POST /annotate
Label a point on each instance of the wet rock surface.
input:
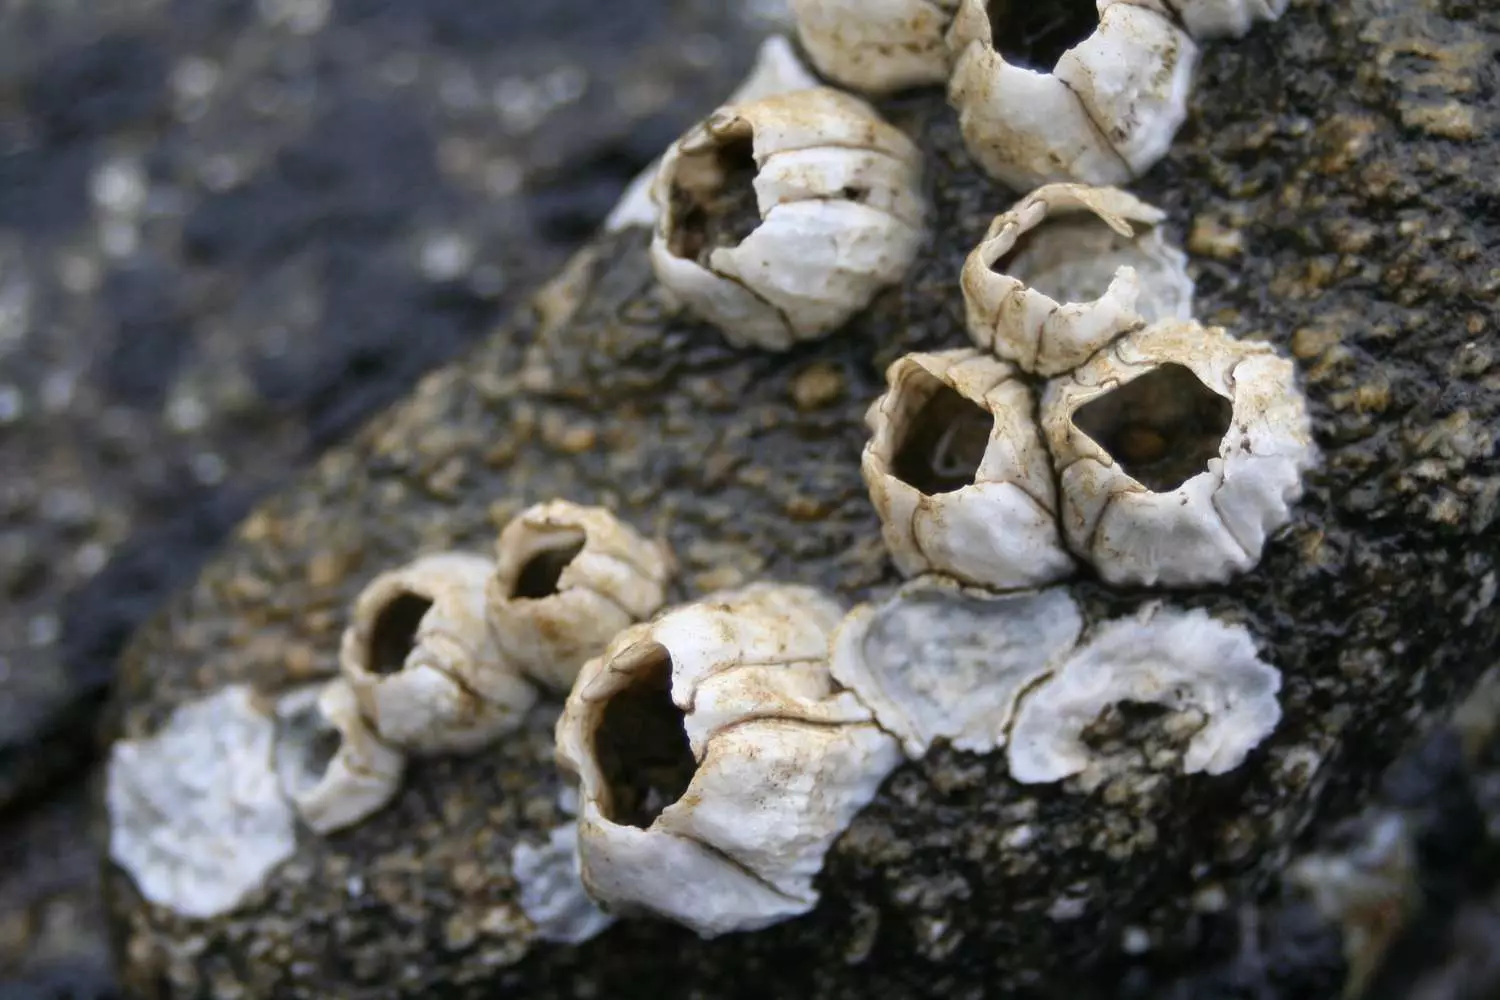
(1332, 188)
(229, 232)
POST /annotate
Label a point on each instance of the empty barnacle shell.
(196, 816)
(1179, 450)
(1182, 660)
(333, 768)
(958, 474)
(717, 762)
(422, 661)
(1208, 19)
(1066, 271)
(1101, 111)
(782, 217)
(937, 660)
(567, 578)
(877, 46)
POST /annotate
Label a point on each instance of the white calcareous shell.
(877, 46)
(1066, 271)
(958, 474)
(777, 70)
(1182, 660)
(567, 578)
(782, 217)
(1209, 19)
(1179, 479)
(1103, 114)
(939, 661)
(361, 776)
(717, 762)
(196, 815)
(422, 661)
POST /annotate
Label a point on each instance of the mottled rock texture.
(1334, 187)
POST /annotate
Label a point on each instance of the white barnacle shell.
(1209, 19)
(567, 578)
(1066, 271)
(331, 765)
(1179, 450)
(1182, 660)
(423, 663)
(1107, 110)
(777, 70)
(196, 815)
(940, 661)
(782, 217)
(877, 46)
(958, 474)
(717, 762)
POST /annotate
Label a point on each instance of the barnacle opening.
(1036, 34)
(939, 448)
(1162, 428)
(713, 198)
(1072, 259)
(394, 634)
(641, 744)
(540, 574)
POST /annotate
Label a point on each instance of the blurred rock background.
(230, 230)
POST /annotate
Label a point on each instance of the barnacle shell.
(734, 690)
(1179, 450)
(1178, 659)
(957, 472)
(422, 662)
(939, 661)
(877, 45)
(197, 818)
(359, 779)
(1066, 271)
(567, 578)
(777, 70)
(1103, 114)
(1208, 19)
(837, 215)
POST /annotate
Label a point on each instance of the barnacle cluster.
(721, 746)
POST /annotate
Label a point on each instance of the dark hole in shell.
(642, 746)
(940, 448)
(539, 576)
(395, 632)
(1035, 33)
(1162, 428)
(721, 214)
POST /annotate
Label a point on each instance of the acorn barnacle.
(566, 579)
(1101, 103)
(1066, 271)
(717, 761)
(877, 46)
(780, 218)
(1179, 450)
(331, 764)
(422, 661)
(957, 472)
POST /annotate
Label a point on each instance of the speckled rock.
(1331, 185)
